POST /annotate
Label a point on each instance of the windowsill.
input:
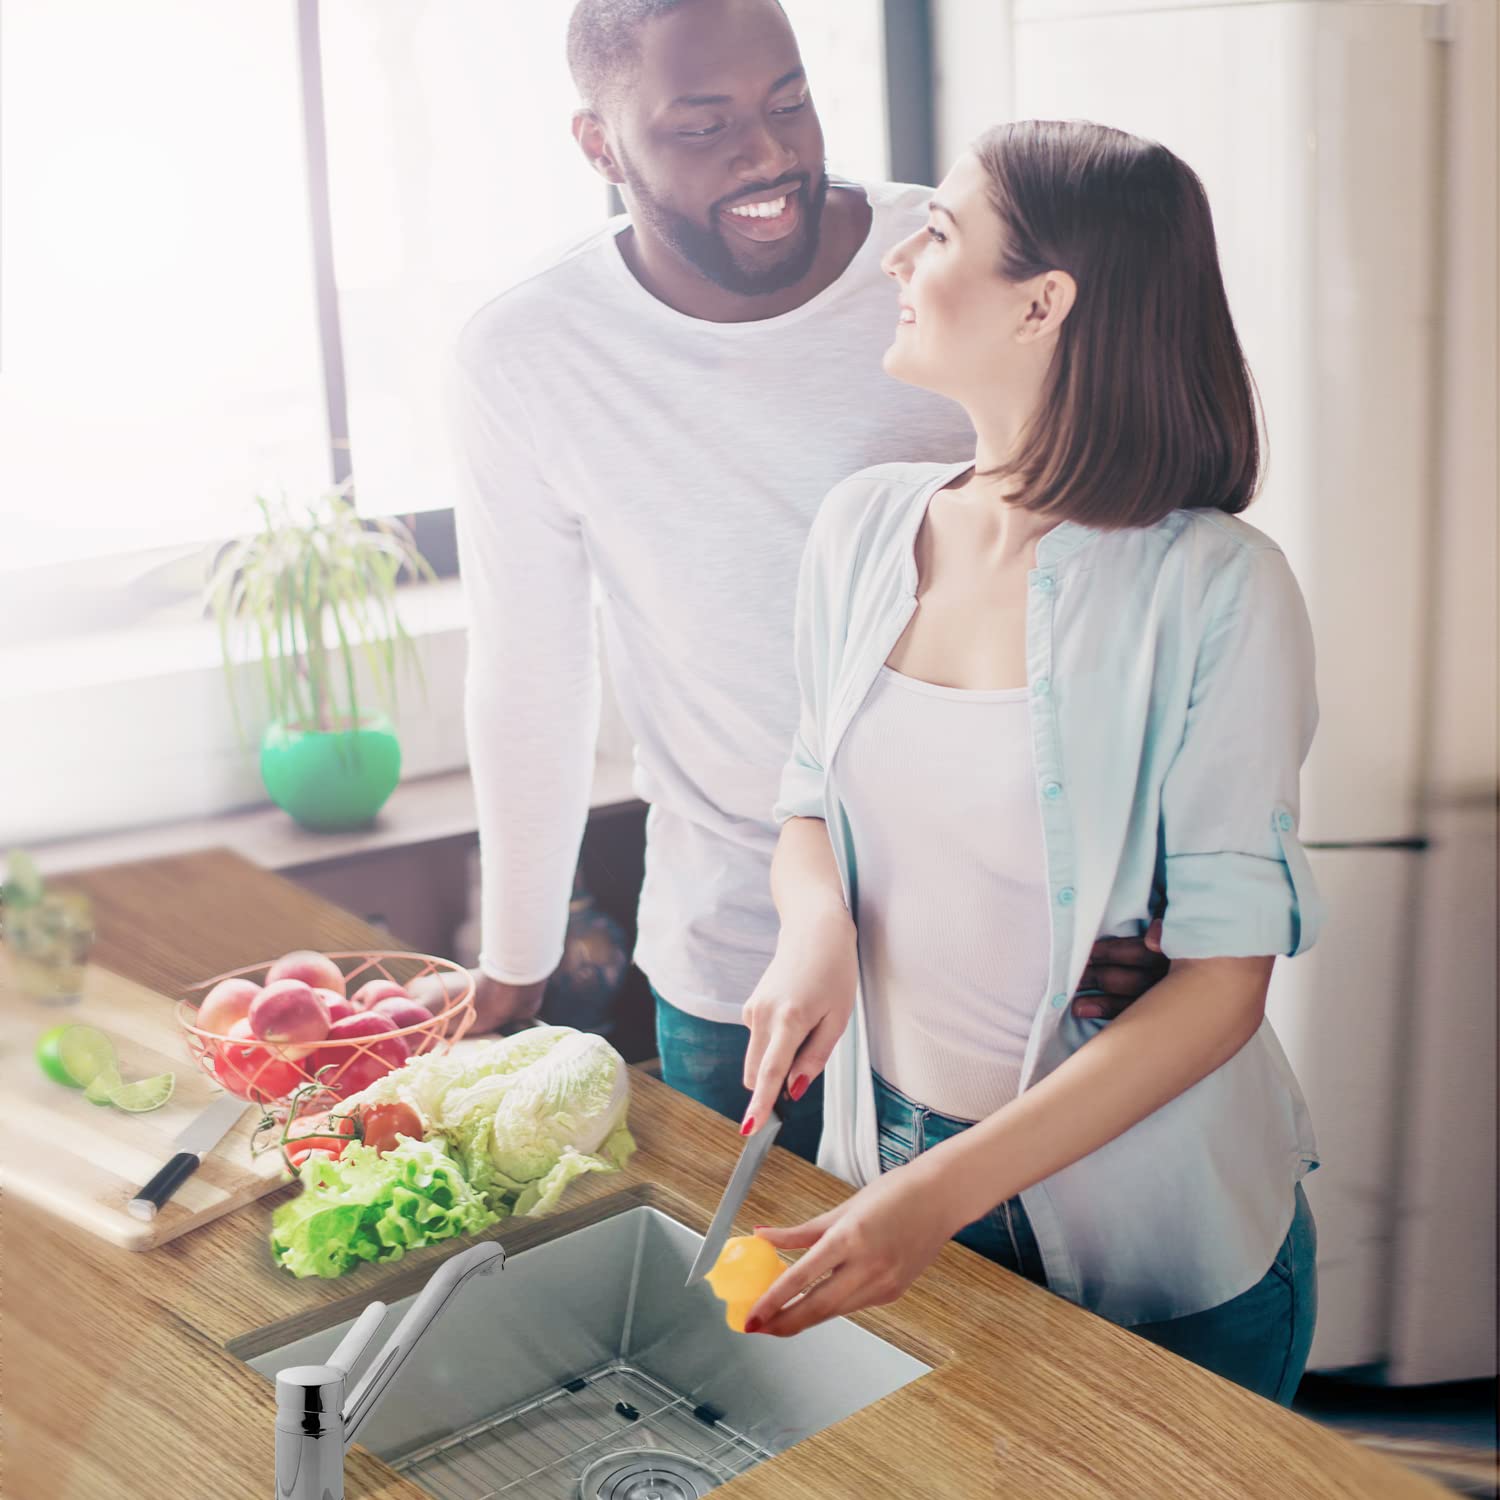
(176, 639)
(121, 745)
(423, 810)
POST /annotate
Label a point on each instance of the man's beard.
(708, 251)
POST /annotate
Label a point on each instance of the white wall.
(972, 66)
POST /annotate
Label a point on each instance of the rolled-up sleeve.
(802, 778)
(1237, 880)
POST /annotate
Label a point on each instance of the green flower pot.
(335, 779)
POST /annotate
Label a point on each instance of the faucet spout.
(445, 1281)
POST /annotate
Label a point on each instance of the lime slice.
(148, 1093)
(102, 1088)
(74, 1055)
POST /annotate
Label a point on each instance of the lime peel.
(74, 1055)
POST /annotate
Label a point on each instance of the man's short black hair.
(604, 44)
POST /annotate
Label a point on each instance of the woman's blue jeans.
(1259, 1339)
(706, 1061)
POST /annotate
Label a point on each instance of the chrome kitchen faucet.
(314, 1424)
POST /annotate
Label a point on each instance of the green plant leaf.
(348, 656)
(277, 590)
(23, 881)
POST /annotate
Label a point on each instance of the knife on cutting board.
(207, 1128)
(757, 1149)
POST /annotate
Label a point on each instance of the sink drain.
(646, 1474)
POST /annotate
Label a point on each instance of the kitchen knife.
(757, 1148)
(197, 1139)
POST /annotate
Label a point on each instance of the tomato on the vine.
(330, 1133)
(382, 1125)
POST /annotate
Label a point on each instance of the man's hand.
(496, 1003)
(1122, 969)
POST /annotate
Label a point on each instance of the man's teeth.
(769, 210)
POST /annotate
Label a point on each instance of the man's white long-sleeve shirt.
(680, 463)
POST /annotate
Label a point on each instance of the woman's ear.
(588, 131)
(1053, 294)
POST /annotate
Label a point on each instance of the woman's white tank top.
(953, 918)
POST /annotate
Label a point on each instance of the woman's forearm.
(805, 880)
(1179, 1032)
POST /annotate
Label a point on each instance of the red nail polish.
(799, 1086)
(752, 1325)
(748, 1126)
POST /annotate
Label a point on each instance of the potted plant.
(46, 931)
(313, 594)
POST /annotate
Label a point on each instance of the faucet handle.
(310, 1392)
(352, 1346)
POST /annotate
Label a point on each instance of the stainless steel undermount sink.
(586, 1368)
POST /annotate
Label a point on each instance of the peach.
(251, 1071)
(350, 1068)
(356, 1073)
(368, 995)
(402, 1013)
(291, 1051)
(316, 970)
(289, 1012)
(227, 1002)
(338, 1007)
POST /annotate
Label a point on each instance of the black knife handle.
(161, 1187)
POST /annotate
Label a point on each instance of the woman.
(1051, 694)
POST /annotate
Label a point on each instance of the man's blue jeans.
(1259, 1339)
(706, 1061)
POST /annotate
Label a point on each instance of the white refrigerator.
(1321, 131)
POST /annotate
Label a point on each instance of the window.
(451, 167)
(162, 356)
(158, 332)
(842, 49)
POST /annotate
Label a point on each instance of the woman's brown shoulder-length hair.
(1149, 406)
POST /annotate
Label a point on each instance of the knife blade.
(196, 1139)
(757, 1148)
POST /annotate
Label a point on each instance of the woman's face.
(962, 329)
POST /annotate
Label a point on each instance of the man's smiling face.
(720, 145)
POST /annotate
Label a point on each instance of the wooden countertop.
(117, 1383)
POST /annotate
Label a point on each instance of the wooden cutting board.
(84, 1162)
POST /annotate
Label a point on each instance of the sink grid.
(541, 1449)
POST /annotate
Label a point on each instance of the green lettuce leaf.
(364, 1207)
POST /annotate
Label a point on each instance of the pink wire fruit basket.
(270, 1072)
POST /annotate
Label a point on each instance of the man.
(658, 413)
